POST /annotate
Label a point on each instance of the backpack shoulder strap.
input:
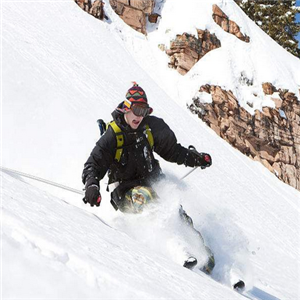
(120, 139)
(149, 136)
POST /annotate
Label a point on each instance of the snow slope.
(62, 70)
(54, 250)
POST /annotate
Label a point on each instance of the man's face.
(132, 120)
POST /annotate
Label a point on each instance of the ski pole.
(10, 171)
(193, 149)
(188, 173)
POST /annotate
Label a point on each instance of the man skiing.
(125, 151)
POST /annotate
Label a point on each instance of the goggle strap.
(127, 103)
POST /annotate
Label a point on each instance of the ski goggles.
(141, 111)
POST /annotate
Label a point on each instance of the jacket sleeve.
(100, 159)
(166, 145)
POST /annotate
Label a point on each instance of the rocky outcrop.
(186, 50)
(134, 12)
(96, 8)
(227, 25)
(84, 4)
(271, 136)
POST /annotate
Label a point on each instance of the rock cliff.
(271, 136)
(134, 12)
(186, 50)
(227, 25)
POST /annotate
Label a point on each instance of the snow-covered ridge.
(262, 60)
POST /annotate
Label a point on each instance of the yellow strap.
(120, 139)
(149, 136)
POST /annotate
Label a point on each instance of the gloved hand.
(203, 160)
(92, 195)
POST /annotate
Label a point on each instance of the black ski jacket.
(137, 161)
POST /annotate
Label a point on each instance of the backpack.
(120, 136)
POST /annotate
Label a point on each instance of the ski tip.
(239, 286)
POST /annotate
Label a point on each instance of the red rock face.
(186, 50)
(227, 25)
(134, 12)
(271, 136)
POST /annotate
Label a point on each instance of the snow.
(62, 70)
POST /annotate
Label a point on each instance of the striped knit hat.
(135, 95)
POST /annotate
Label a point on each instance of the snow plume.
(222, 234)
(230, 246)
(161, 228)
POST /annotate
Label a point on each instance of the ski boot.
(239, 286)
(190, 262)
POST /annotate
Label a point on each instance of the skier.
(125, 151)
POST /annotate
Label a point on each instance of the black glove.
(202, 160)
(92, 195)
